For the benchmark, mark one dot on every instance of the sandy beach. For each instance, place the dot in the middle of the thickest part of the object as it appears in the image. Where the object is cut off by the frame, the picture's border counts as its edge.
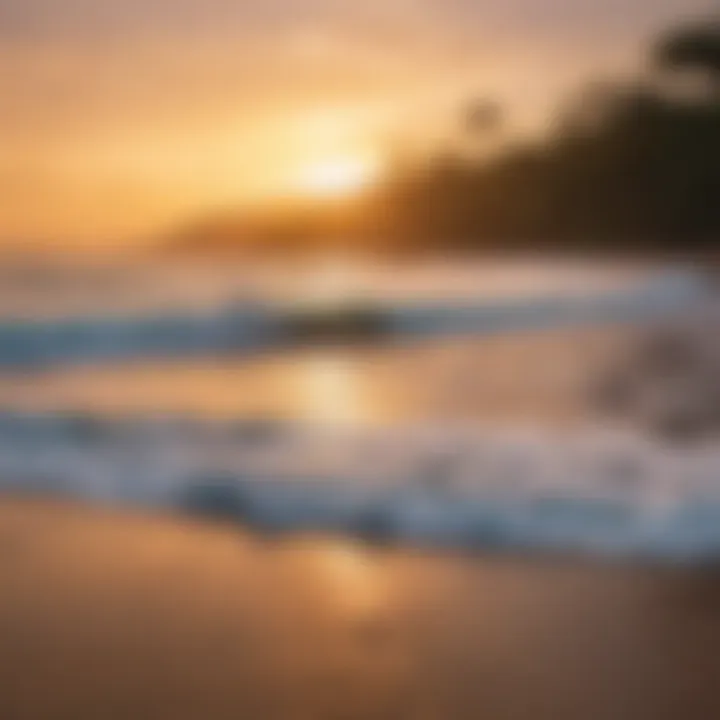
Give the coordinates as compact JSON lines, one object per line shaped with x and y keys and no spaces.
{"x":105,"y":615}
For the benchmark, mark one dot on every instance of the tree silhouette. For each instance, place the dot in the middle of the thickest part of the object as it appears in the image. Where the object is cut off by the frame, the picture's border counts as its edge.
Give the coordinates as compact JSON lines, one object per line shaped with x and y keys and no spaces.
{"x":628,"y":165}
{"x":694,"y":48}
{"x":482,"y":117}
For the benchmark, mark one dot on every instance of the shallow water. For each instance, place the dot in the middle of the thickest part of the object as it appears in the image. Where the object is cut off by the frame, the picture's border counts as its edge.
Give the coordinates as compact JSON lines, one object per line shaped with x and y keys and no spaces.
{"x":534,"y":375}
{"x":538,"y":377}
{"x":408,"y":412}
{"x":40,"y":287}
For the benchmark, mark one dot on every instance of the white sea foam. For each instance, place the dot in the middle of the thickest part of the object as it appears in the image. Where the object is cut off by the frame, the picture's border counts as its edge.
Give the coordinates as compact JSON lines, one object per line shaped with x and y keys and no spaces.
{"x":603,"y":492}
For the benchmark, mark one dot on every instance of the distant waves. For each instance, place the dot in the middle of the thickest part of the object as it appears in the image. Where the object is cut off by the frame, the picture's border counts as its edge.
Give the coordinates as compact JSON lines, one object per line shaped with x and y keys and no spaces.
{"x":28,"y":344}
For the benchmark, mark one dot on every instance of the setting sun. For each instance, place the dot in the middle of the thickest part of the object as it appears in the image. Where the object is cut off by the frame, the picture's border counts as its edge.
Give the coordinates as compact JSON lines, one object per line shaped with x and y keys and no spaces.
{"x":337,"y":177}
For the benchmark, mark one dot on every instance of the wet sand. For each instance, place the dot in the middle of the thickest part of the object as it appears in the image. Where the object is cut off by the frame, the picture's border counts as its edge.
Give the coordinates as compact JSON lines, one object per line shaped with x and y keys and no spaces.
{"x":106,"y":615}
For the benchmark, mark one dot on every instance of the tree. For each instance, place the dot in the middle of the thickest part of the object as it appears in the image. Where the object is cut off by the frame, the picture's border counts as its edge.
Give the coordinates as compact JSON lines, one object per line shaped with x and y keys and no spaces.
{"x":695,"y":48}
{"x":483,"y":117}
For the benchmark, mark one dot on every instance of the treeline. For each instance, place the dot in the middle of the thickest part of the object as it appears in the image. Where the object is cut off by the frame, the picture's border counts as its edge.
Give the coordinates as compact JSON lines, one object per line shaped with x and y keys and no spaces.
{"x":628,"y":165}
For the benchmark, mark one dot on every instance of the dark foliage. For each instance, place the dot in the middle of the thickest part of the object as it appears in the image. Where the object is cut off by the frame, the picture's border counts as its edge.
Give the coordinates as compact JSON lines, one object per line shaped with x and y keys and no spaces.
{"x":629,"y":166}
{"x":632,"y":165}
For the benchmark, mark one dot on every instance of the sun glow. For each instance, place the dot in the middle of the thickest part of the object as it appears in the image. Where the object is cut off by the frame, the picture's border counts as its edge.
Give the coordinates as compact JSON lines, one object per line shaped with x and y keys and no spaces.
{"x":338,"y":177}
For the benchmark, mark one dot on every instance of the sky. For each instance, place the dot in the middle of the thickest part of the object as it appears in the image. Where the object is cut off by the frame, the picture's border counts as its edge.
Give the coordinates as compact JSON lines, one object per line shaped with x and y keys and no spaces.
{"x":120,"y":119}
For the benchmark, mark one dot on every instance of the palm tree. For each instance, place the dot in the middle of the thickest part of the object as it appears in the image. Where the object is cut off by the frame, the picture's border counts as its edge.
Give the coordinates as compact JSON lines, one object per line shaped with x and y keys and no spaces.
{"x":695,"y":48}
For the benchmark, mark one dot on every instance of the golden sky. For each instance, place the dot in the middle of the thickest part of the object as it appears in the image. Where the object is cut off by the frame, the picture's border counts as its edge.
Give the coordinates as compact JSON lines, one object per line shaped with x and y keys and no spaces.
{"x":120,"y":118}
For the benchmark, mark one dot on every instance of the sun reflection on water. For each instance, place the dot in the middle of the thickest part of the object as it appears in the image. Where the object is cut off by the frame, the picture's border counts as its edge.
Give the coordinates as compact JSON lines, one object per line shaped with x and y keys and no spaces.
{"x":330,"y":390}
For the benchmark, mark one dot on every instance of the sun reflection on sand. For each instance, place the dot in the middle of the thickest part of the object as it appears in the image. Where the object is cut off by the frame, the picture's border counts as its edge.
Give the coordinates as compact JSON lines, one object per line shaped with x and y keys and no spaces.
{"x":352,"y":577}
